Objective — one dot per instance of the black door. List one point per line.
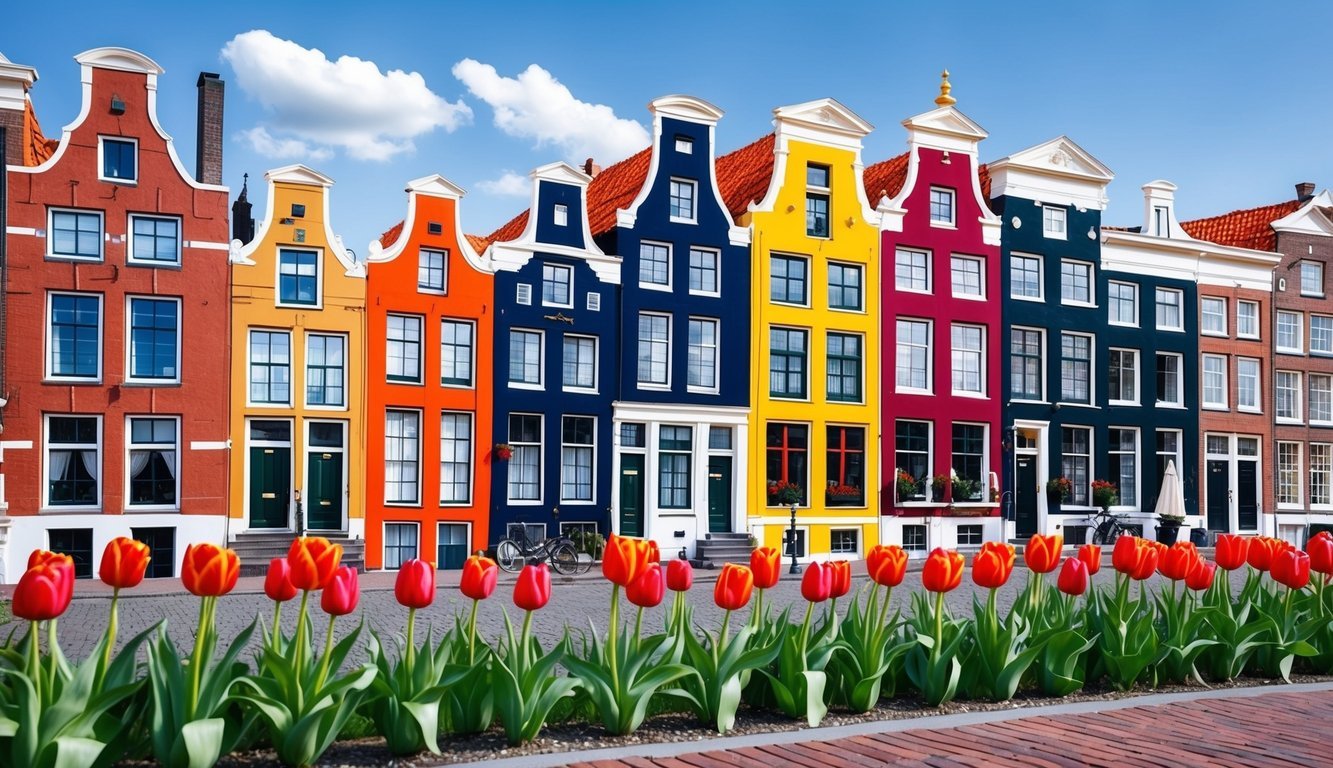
(1025, 496)
(270, 487)
(324, 479)
(719, 494)
(452, 546)
(1247, 495)
(1219, 495)
(631, 494)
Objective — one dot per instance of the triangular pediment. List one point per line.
(1314, 217)
(561, 172)
(436, 186)
(824, 114)
(948, 121)
(298, 174)
(1059, 156)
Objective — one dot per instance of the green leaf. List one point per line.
(199, 744)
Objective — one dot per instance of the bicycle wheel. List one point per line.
(565, 559)
(1108, 532)
(509, 556)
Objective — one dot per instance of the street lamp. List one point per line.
(791, 540)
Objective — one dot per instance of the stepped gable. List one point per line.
(743, 175)
(1246, 228)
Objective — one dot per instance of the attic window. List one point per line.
(561, 215)
(1159, 220)
(119, 160)
(298, 210)
(434, 228)
(1053, 222)
(684, 145)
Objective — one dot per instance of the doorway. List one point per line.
(719, 494)
(325, 486)
(631, 494)
(1025, 495)
(270, 470)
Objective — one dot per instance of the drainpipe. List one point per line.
(4, 272)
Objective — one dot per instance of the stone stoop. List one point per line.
(257, 549)
(715, 549)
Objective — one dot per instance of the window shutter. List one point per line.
(524, 294)
(594, 302)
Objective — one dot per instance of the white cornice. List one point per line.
(15, 80)
(434, 185)
(1057, 171)
(122, 59)
(297, 174)
(512, 255)
(945, 128)
(687, 108)
(1213, 264)
(1314, 217)
(823, 122)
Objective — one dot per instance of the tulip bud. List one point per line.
(415, 585)
(680, 575)
(44, 590)
(649, 588)
(766, 565)
(733, 588)
(842, 578)
(1202, 576)
(313, 560)
(124, 562)
(1232, 551)
(1291, 568)
(1320, 549)
(1073, 579)
(479, 577)
(46, 557)
(1091, 556)
(341, 593)
(533, 589)
(817, 583)
(993, 565)
(624, 559)
(943, 571)
(887, 564)
(1042, 553)
(278, 581)
(208, 570)
(1179, 561)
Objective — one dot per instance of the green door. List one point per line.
(631, 494)
(452, 547)
(324, 479)
(719, 494)
(270, 486)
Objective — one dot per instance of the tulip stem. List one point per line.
(299, 639)
(277, 626)
(35, 658)
(527, 628)
(612, 631)
(328, 646)
(805, 633)
(939, 628)
(411, 643)
(110, 631)
(638, 628)
(721, 637)
(51, 649)
(197, 658)
(757, 617)
(472, 635)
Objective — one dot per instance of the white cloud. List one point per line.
(535, 105)
(316, 104)
(264, 143)
(509, 184)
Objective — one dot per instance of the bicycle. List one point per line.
(513, 553)
(1108, 527)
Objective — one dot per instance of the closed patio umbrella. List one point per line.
(1171, 497)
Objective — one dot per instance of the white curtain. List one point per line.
(89, 462)
(138, 460)
(170, 458)
(59, 463)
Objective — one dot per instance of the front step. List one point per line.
(715, 549)
(257, 549)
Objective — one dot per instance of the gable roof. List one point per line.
(743, 175)
(1246, 228)
(885, 178)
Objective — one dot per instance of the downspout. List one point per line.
(4, 274)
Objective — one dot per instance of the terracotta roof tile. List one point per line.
(1248, 228)
(743, 175)
(477, 242)
(391, 235)
(885, 179)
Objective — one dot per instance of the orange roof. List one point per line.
(1248, 228)
(477, 242)
(743, 174)
(37, 149)
(885, 179)
(390, 236)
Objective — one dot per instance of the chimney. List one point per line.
(1304, 191)
(208, 147)
(591, 168)
(242, 223)
(15, 80)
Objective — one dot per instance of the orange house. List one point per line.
(428, 386)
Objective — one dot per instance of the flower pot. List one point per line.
(1168, 531)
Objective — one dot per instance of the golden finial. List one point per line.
(944, 99)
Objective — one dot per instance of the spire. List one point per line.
(242, 224)
(944, 99)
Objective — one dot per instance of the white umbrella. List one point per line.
(1171, 498)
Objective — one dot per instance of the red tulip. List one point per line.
(46, 557)
(993, 565)
(1091, 556)
(1042, 553)
(278, 581)
(209, 570)
(1232, 551)
(533, 589)
(415, 585)
(479, 577)
(313, 560)
(842, 578)
(1320, 549)
(680, 575)
(1201, 577)
(1291, 568)
(766, 565)
(648, 589)
(1148, 564)
(341, 592)
(1127, 553)
(624, 559)
(44, 590)
(887, 564)
(1180, 561)
(1073, 579)
(124, 562)
(654, 554)
(1263, 549)
(943, 571)
(734, 584)
(817, 583)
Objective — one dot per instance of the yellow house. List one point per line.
(816, 335)
(298, 303)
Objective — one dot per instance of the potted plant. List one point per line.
(784, 493)
(908, 488)
(504, 451)
(837, 494)
(1168, 528)
(1059, 489)
(964, 489)
(1104, 494)
(937, 485)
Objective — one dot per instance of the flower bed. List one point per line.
(1064, 634)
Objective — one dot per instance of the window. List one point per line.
(523, 294)
(580, 363)
(911, 270)
(75, 336)
(846, 467)
(576, 449)
(1124, 450)
(1159, 217)
(298, 277)
(684, 145)
(594, 302)
(76, 235)
(719, 438)
(1170, 388)
(1289, 473)
(1025, 364)
(1124, 376)
(400, 544)
(633, 435)
(154, 347)
(324, 366)
(941, 206)
(816, 200)
(78, 544)
(787, 283)
(456, 353)
(1321, 471)
(654, 349)
(1247, 319)
(525, 357)
(969, 462)
(1247, 384)
(1214, 381)
(153, 466)
(1169, 302)
(703, 272)
(525, 465)
(970, 535)
(1168, 450)
(556, 280)
(1075, 368)
(403, 348)
(701, 371)
(1213, 313)
(119, 159)
(682, 200)
(968, 372)
(844, 286)
(673, 461)
(911, 454)
(914, 538)
(1321, 398)
(654, 264)
(155, 240)
(1312, 278)
(1075, 282)
(844, 367)
(844, 541)
(535, 532)
(966, 275)
(1287, 395)
(402, 454)
(270, 367)
(73, 461)
(161, 550)
(432, 270)
(1076, 462)
(1289, 332)
(1122, 303)
(455, 458)
(1321, 334)
(1025, 277)
(788, 446)
(560, 215)
(786, 367)
(1053, 222)
(913, 356)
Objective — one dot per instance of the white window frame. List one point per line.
(1041, 277)
(1289, 476)
(1326, 379)
(1299, 317)
(319, 278)
(1137, 358)
(980, 263)
(670, 255)
(952, 222)
(1214, 405)
(717, 347)
(1179, 401)
(472, 353)
(1092, 283)
(594, 301)
(693, 218)
(1314, 265)
(541, 459)
(249, 363)
(471, 453)
(1327, 470)
(685, 145)
(1204, 330)
(416, 502)
(1092, 368)
(305, 383)
(48, 446)
(101, 160)
(592, 451)
(443, 290)
(51, 239)
(1048, 217)
(1041, 335)
(130, 378)
(854, 553)
(1254, 318)
(1180, 309)
(131, 446)
(929, 363)
(130, 258)
(1114, 450)
(980, 353)
(1258, 406)
(908, 287)
(596, 374)
(649, 384)
(47, 368)
(541, 359)
(523, 294)
(1114, 302)
(1298, 413)
(717, 271)
(570, 285)
(560, 215)
(1328, 350)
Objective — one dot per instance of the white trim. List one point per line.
(101, 160)
(694, 201)
(51, 255)
(930, 355)
(128, 360)
(591, 446)
(1204, 402)
(980, 261)
(670, 262)
(596, 364)
(472, 352)
(541, 460)
(318, 253)
(299, 175)
(47, 368)
(717, 351)
(176, 470)
(1258, 406)
(1111, 303)
(1138, 378)
(129, 240)
(1041, 276)
(717, 271)
(541, 359)
(472, 456)
(653, 385)
(290, 445)
(44, 504)
(250, 330)
(1056, 171)
(420, 377)
(384, 496)
(1179, 401)
(1092, 283)
(553, 266)
(305, 382)
(437, 186)
(210, 445)
(345, 451)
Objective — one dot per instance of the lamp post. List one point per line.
(791, 540)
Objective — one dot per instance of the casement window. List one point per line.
(703, 272)
(298, 277)
(969, 460)
(911, 270)
(560, 215)
(913, 355)
(654, 366)
(1123, 383)
(525, 358)
(325, 370)
(1321, 473)
(1214, 381)
(1289, 473)
(402, 457)
(1170, 385)
(1124, 462)
(1167, 450)
(681, 200)
(1122, 301)
(1075, 368)
(816, 200)
(1212, 316)
(1321, 398)
(78, 544)
(911, 454)
(432, 271)
(455, 458)
(403, 348)
(154, 463)
(74, 338)
(1169, 315)
(1248, 394)
(844, 541)
(270, 367)
(154, 241)
(788, 350)
(577, 439)
(1312, 278)
(580, 362)
(654, 265)
(788, 279)
(1025, 277)
(525, 465)
(719, 438)
(154, 336)
(594, 302)
(684, 145)
(1075, 282)
(1026, 363)
(1247, 319)
(633, 435)
(1076, 462)
(843, 362)
(1053, 222)
(787, 458)
(701, 371)
(523, 294)
(844, 286)
(673, 466)
(1289, 332)
(846, 466)
(400, 544)
(557, 285)
(119, 159)
(941, 207)
(456, 353)
(1287, 396)
(1321, 334)
(968, 352)
(73, 461)
(967, 275)
(75, 235)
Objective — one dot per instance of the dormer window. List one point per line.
(684, 145)
(941, 207)
(816, 200)
(1053, 222)
(556, 287)
(682, 200)
(1160, 226)
(119, 160)
(561, 215)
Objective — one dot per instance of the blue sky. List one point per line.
(1228, 100)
